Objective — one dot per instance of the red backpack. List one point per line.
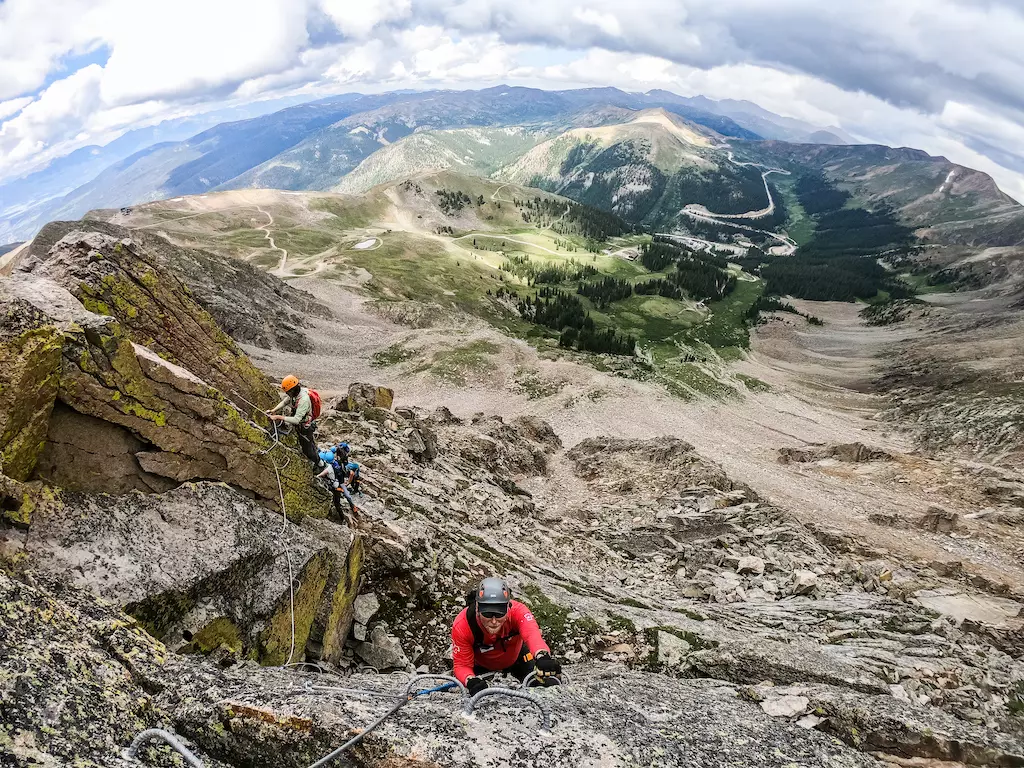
(314, 404)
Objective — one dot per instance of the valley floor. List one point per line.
(819, 379)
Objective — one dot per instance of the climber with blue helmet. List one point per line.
(336, 480)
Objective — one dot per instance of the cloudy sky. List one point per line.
(946, 76)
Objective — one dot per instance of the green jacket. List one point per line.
(302, 408)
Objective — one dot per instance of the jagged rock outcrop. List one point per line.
(182, 427)
(248, 304)
(119, 279)
(103, 440)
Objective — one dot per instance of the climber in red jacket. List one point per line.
(496, 633)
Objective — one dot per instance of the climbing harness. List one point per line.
(470, 703)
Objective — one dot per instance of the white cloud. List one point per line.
(13, 106)
(605, 22)
(195, 47)
(357, 19)
(58, 112)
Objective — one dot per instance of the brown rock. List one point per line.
(938, 520)
(186, 428)
(362, 396)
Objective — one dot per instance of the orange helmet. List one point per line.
(289, 382)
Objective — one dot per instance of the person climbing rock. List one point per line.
(304, 406)
(330, 472)
(495, 633)
(351, 475)
(341, 453)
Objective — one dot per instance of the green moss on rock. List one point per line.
(221, 632)
(29, 375)
(340, 617)
(275, 643)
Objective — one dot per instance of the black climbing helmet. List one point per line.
(492, 598)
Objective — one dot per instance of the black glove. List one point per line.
(547, 667)
(475, 684)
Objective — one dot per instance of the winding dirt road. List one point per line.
(279, 270)
(786, 247)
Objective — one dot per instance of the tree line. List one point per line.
(571, 218)
(701, 275)
(521, 265)
(840, 262)
(565, 313)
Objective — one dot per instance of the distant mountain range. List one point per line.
(644, 156)
(314, 145)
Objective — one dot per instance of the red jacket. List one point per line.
(499, 651)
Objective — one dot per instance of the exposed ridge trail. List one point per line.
(278, 270)
(270, 238)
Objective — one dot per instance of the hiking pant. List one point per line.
(338, 494)
(519, 669)
(338, 509)
(307, 441)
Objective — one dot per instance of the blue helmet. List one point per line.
(327, 456)
(343, 446)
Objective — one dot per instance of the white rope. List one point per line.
(285, 547)
(275, 443)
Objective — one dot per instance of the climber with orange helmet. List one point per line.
(303, 407)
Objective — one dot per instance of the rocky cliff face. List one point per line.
(185, 428)
(127, 472)
(152, 572)
(647, 567)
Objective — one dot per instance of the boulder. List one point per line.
(422, 443)
(750, 564)
(938, 520)
(383, 652)
(785, 706)
(230, 575)
(366, 606)
(803, 582)
(847, 452)
(361, 396)
(672, 650)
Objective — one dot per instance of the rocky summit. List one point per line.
(169, 561)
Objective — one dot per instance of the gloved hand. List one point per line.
(474, 685)
(547, 667)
